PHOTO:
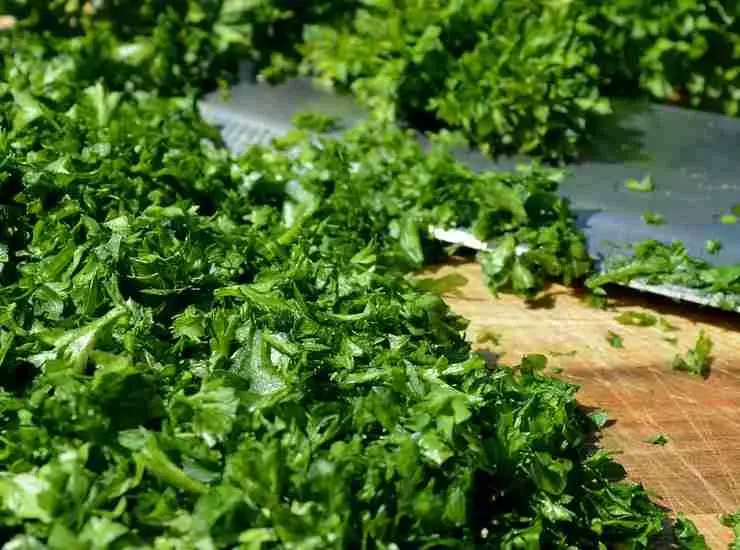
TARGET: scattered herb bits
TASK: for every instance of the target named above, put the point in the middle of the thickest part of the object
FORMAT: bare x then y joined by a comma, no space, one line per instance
687,536
599,418
202,351
197,354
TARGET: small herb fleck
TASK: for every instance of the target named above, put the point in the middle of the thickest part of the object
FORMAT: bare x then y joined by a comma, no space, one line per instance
729,219
614,339
687,536
645,185
637,319
713,246
658,439
600,418
653,218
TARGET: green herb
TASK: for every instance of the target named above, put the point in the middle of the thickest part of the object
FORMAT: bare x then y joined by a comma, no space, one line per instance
196,353
687,536
645,185
653,218
698,360
599,418
729,219
520,76
471,67
530,77
637,319
614,339
200,351
317,122
666,326
713,246
658,439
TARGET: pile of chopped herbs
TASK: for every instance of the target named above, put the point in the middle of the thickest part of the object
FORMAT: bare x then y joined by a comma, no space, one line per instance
526,76
199,351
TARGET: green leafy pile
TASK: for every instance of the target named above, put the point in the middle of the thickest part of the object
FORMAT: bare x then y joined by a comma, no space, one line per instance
512,76
198,351
528,76
171,47
679,51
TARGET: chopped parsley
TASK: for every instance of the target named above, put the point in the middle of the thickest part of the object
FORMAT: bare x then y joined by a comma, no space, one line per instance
614,339
658,439
645,185
637,319
713,246
203,351
653,218
698,359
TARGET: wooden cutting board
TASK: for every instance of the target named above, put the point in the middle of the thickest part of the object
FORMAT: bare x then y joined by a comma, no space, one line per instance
698,471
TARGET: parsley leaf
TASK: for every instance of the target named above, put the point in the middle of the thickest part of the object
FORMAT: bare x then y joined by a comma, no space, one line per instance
687,536
614,339
713,246
637,319
698,360
653,218
658,439
645,185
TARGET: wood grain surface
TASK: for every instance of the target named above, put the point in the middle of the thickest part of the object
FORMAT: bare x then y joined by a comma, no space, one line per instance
698,471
